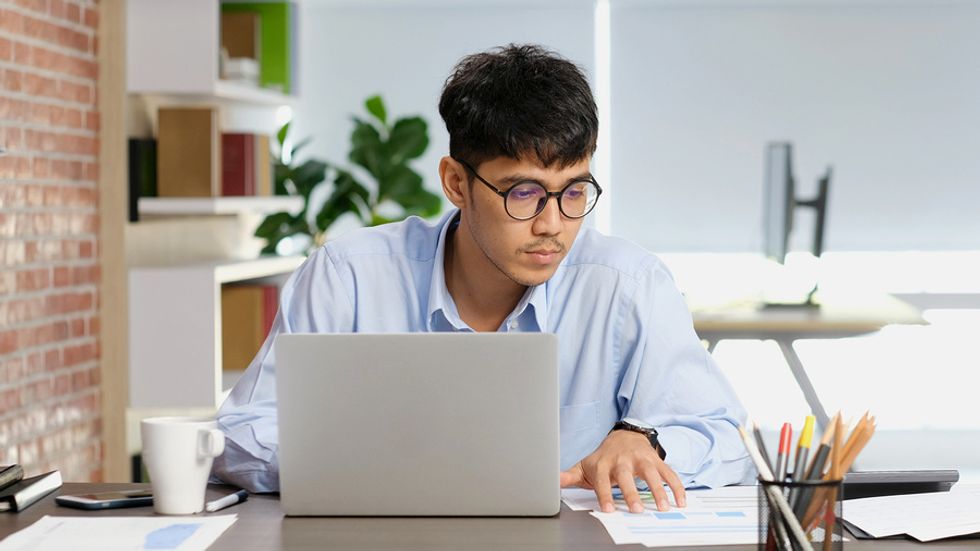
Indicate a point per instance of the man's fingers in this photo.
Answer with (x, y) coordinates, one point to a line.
(572, 477)
(656, 485)
(603, 492)
(624, 477)
(676, 486)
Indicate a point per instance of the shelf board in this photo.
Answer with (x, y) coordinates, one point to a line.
(243, 93)
(189, 206)
(227, 271)
(240, 270)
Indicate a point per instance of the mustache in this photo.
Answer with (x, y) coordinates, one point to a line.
(549, 244)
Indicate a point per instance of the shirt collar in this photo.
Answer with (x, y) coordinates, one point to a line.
(441, 306)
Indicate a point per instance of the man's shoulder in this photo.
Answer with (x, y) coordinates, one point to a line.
(615, 255)
(412, 238)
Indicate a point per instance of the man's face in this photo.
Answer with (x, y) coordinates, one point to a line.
(526, 251)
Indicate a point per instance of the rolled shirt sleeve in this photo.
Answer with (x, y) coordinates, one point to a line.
(671, 382)
(313, 300)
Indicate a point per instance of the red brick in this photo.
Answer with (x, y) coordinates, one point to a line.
(91, 18)
(58, 8)
(23, 53)
(62, 276)
(92, 120)
(76, 328)
(12, 80)
(11, 21)
(42, 168)
(8, 341)
(40, 6)
(37, 85)
(94, 326)
(74, 13)
(52, 359)
(6, 49)
(33, 280)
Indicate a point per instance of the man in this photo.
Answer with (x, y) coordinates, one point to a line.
(513, 257)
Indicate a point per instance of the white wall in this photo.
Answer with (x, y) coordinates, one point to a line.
(405, 51)
(888, 92)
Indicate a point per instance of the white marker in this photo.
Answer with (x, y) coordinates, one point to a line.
(227, 501)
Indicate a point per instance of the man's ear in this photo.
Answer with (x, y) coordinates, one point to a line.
(454, 181)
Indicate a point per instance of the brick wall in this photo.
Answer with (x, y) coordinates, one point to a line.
(49, 272)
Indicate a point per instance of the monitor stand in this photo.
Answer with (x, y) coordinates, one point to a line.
(808, 304)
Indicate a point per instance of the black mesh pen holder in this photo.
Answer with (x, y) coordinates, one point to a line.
(795, 516)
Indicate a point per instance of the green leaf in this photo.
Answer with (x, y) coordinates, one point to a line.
(272, 224)
(297, 147)
(424, 203)
(399, 183)
(376, 106)
(307, 176)
(377, 220)
(281, 135)
(408, 140)
(348, 195)
(367, 149)
(279, 226)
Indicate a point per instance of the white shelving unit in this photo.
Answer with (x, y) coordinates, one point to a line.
(175, 368)
(175, 329)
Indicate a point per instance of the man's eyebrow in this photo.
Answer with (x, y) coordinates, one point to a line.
(507, 181)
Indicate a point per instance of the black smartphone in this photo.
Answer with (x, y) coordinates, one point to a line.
(107, 500)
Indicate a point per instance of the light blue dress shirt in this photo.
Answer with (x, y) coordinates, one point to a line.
(627, 347)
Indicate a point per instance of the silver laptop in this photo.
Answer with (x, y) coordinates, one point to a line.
(421, 424)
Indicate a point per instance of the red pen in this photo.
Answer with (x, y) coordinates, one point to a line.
(782, 457)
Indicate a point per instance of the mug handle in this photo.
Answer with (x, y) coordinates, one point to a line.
(212, 443)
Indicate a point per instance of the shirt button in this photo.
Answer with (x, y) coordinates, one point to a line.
(513, 325)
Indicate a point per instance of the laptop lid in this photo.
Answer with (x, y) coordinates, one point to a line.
(427, 424)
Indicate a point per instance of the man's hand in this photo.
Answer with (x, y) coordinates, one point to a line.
(622, 456)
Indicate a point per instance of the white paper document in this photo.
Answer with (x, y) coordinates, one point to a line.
(925, 517)
(119, 533)
(721, 516)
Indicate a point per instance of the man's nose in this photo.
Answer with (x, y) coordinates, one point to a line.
(548, 221)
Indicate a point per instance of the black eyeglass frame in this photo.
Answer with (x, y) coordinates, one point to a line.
(548, 194)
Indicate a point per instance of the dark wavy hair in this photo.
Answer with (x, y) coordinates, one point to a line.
(519, 101)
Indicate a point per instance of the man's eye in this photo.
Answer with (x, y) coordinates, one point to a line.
(574, 194)
(524, 194)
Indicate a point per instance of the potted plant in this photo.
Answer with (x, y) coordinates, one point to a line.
(382, 150)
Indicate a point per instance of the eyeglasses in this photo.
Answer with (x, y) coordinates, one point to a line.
(526, 199)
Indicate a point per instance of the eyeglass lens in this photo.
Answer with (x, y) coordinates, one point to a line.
(528, 199)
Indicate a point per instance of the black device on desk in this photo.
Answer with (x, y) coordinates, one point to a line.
(107, 500)
(889, 483)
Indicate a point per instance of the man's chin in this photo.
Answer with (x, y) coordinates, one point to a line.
(530, 278)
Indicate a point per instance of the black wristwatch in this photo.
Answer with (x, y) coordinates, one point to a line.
(644, 429)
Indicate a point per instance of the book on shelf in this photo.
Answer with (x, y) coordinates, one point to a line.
(28, 491)
(188, 152)
(247, 314)
(9, 474)
(241, 34)
(246, 166)
(142, 173)
(276, 40)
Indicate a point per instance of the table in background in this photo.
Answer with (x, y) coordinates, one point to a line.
(261, 526)
(840, 315)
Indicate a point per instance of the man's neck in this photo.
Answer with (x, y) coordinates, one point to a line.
(484, 296)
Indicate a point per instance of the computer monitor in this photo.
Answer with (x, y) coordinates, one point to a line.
(780, 203)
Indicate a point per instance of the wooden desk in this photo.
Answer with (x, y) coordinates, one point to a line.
(841, 314)
(261, 526)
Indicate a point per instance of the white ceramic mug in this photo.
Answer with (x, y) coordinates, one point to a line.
(178, 452)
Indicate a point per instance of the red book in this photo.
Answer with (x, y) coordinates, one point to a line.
(270, 300)
(237, 164)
